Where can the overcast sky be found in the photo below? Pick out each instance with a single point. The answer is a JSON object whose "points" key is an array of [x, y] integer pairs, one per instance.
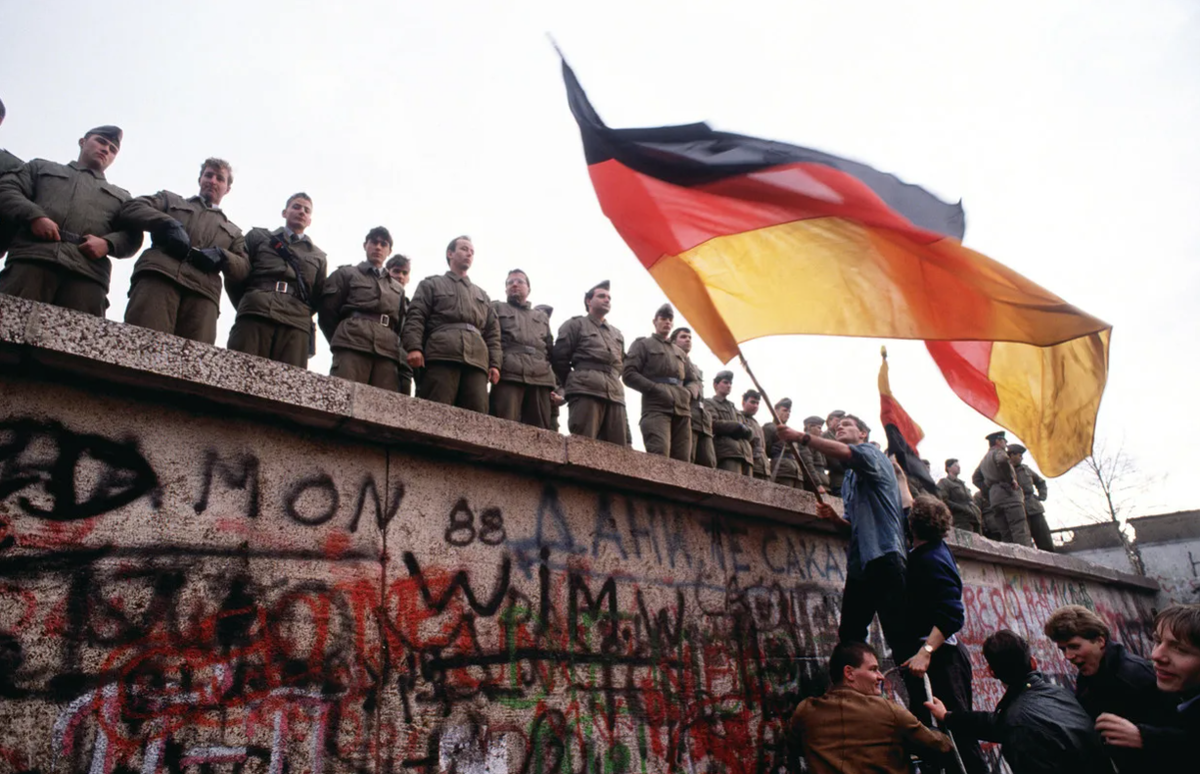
{"points": [[1068, 129]]}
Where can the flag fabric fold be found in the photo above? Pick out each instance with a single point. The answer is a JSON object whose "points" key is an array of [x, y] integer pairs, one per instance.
{"points": [[903, 434]]}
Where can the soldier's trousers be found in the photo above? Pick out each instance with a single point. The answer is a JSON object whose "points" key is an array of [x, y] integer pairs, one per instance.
{"points": [[787, 481], [1040, 529], [734, 465], [1014, 527], [597, 418], [160, 304], [256, 335], [53, 284], [668, 435], [528, 404], [456, 384], [991, 525], [967, 523], [366, 368], [703, 452]]}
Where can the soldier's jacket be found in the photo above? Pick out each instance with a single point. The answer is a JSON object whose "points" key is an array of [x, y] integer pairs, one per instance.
{"points": [[451, 319], [834, 467], [351, 309], [702, 419], [758, 459], [995, 475], [206, 226], [727, 423], [588, 357], [659, 371], [8, 228], [957, 497], [779, 454], [253, 293], [1034, 488], [78, 200], [526, 341], [9, 162]]}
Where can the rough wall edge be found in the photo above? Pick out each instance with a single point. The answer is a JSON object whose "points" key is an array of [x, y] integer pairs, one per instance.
{"points": [[40, 337]]}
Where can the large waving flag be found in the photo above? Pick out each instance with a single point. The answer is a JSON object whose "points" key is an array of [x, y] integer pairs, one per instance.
{"points": [[903, 434], [731, 227]]}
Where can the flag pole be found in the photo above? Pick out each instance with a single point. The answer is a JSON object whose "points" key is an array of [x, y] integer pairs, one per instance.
{"points": [[810, 475]]}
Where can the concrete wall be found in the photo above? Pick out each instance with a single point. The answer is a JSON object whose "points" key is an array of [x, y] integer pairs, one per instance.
{"points": [[211, 563]]}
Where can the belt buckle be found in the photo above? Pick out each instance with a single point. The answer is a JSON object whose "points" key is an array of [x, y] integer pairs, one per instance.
{"points": [[280, 287], [384, 319]]}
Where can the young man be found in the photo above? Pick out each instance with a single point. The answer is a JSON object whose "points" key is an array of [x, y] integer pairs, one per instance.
{"points": [[751, 400], [996, 476], [399, 268], [1034, 491], [853, 727], [703, 452], [731, 435], [359, 312], [451, 330], [833, 468], [276, 299], [525, 392], [588, 356], [67, 220], [782, 467], [1040, 726], [8, 163], [957, 497], [177, 282], [812, 426], [659, 371]]}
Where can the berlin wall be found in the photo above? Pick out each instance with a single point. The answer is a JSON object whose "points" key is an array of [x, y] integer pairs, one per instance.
{"points": [[214, 564]]}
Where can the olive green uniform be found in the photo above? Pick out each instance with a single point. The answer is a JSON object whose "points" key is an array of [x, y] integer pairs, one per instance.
{"points": [[996, 473], [359, 312], [175, 296], [731, 436], [451, 321], [526, 379], [758, 446], [8, 228], [659, 370], [1034, 489], [81, 202], [703, 453], [272, 321], [836, 473], [957, 497], [587, 358], [818, 465], [987, 517], [780, 459]]}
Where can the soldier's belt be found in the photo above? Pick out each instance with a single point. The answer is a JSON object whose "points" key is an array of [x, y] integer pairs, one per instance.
{"points": [[382, 319], [592, 367], [288, 288], [529, 350], [666, 380], [458, 327]]}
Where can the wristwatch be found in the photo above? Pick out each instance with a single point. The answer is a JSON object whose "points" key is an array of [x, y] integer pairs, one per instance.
{"points": [[927, 648]]}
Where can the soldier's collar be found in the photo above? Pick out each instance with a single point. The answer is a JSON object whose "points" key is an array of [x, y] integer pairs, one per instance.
{"points": [[366, 267], [199, 198], [453, 276], [524, 305], [77, 166]]}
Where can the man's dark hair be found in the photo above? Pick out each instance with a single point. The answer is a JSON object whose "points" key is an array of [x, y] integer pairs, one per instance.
{"points": [[950, 463], [1183, 621], [929, 518], [862, 426], [1007, 653], [748, 394], [676, 332], [848, 654], [295, 196], [212, 162], [587, 297], [1075, 621], [522, 273], [454, 244], [397, 261], [379, 234]]}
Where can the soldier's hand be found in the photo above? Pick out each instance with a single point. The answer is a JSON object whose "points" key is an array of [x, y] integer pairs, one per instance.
{"points": [[94, 247], [416, 359], [493, 375], [45, 230], [172, 238], [556, 398], [208, 260]]}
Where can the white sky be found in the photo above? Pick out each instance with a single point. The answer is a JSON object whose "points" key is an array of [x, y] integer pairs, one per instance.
{"points": [[1067, 128]]}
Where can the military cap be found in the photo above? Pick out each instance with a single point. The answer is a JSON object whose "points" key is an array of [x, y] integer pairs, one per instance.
{"points": [[592, 291], [814, 420], [784, 403], [993, 437], [723, 376], [666, 312], [1016, 448], [111, 133], [545, 309], [675, 333], [837, 413]]}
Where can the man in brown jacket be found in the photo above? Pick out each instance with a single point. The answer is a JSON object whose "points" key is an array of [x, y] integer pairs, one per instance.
{"points": [[758, 454], [703, 452], [556, 398], [996, 476], [276, 300], [853, 727], [177, 282], [731, 435], [67, 219], [359, 312], [451, 330], [8, 163], [834, 467], [782, 467], [587, 358], [659, 370], [816, 460], [525, 392], [1033, 489], [400, 269]]}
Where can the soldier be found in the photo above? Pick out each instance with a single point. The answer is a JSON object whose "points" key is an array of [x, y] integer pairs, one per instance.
{"points": [[67, 216], [587, 358], [995, 474], [177, 282], [703, 453], [400, 268], [834, 467], [957, 496], [8, 162], [452, 332], [781, 460], [359, 312], [1033, 487], [731, 435], [525, 392], [987, 517], [758, 452], [816, 460], [659, 370], [556, 399], [276, 300]]}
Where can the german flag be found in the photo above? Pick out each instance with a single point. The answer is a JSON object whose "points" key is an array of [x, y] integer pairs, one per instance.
{"points": [[733, 227], [903, 434]]}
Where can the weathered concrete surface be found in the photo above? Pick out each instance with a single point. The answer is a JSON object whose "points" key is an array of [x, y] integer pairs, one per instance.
{"points": [[299, 574]]}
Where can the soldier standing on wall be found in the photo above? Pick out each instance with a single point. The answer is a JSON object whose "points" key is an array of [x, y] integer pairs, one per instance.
{"points": [[557, 399], [832, 466], [659, 370], [995, 474], [8, 162], [1033, 489], [588, 356], [954, 493], [731, 435], [400, 269], [816, 460], [703, 453], [758, 453], [782, 466], [525, 392]]}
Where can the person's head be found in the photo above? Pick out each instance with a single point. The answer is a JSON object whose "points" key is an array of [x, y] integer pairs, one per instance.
{"points": [[664, 318], [1080, 635], [855, 665], [851, 430], [545, 309], [928, 465], [598, 301], [723, 383], [1007, 655], [460, 254], [783, 409], [997, 440], [377, 244], [682, 338], [929, 519], [833, 420], [3, 112], [400, 268], [516, 286], [216, 178], [812, 424], [750, 401], [297, 213], [1176, 653], [99, 147], [953, 468], [1016, 454]]}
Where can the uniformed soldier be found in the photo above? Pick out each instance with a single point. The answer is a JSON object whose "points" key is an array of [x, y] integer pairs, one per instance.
{"points": [[833, 467], [816, 460], [400, 269], [276, 299], [987, 517], [703, 453], [452, 332], [525, 392], [66, 215], [996, 474], [731, 435], [658, 369], [177, 282], [781, 460], [1033, 487], [758, 452], [359, 312], [588, 357], [556, 399], [957, 496], [8, 162]]}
